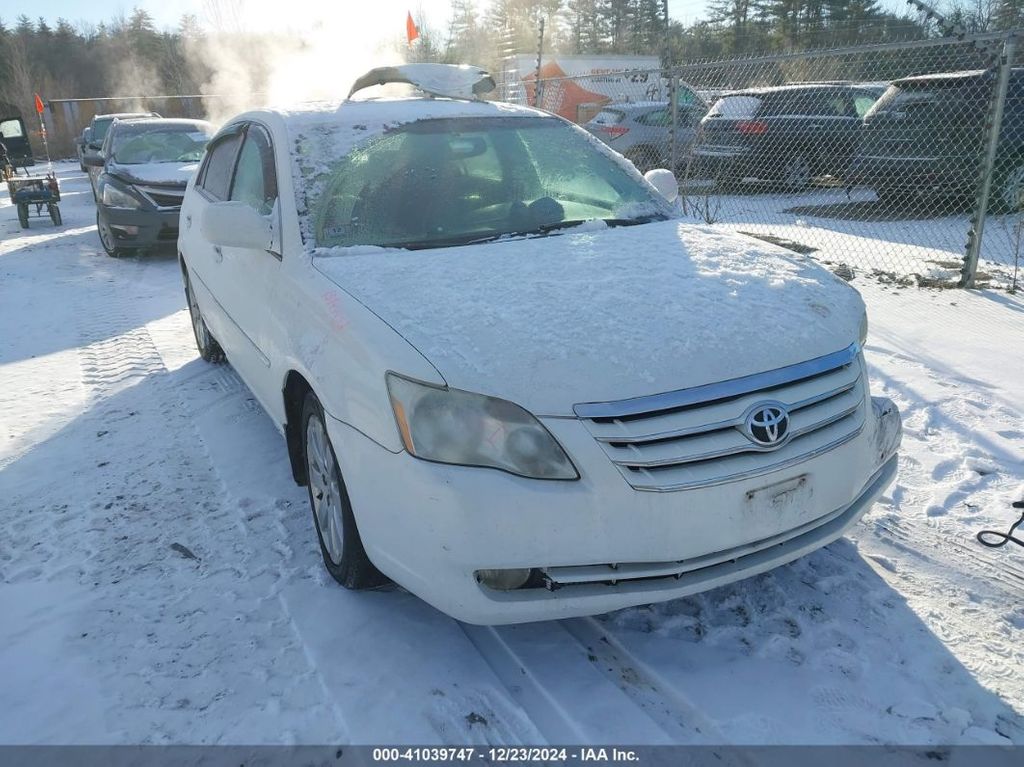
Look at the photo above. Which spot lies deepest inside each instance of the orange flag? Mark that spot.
(410, 28)
(39, 103)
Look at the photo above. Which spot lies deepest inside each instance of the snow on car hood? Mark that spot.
(155, 172)
(553, 321)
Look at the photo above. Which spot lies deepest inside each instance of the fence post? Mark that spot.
(673, 133)
(976, 234)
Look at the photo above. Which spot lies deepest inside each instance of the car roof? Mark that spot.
(963, 76)
(790, 87)
(122, 115)
(170, 121)
(636, 105)
(376, 114)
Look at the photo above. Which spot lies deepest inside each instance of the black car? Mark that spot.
(786, 135)
(142, 181)
(926, 136)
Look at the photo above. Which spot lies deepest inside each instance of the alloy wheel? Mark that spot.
(324, 489)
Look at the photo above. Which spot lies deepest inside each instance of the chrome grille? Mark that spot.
(695, 437)
(164, 196)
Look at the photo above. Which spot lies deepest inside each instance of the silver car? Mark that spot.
(640, 131)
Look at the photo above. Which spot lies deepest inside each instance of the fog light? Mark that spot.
(125, 229)
(504, 580)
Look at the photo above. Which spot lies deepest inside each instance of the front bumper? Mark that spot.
(142, 228)
(432, 527)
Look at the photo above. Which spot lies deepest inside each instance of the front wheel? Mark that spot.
(107, 239)
(23, 215)
(340, 545)
(54, 214)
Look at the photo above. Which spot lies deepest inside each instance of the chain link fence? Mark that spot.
(881, 160)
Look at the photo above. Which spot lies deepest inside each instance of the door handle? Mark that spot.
(218, 254)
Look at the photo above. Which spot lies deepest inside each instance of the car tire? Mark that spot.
(107, 241)
(209, 348)
(797, 173)
(340, 545)
(23, 215)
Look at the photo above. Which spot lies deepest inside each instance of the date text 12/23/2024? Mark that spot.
(495, 754)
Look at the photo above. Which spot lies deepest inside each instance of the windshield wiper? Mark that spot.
(540, 231)
(609, 222)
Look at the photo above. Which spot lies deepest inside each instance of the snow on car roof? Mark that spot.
(395, 111)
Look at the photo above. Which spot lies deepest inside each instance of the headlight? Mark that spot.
(863, 330)
(116, 198)
(459, 427)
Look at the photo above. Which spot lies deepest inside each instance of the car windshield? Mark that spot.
(145, 143)
(437, 183)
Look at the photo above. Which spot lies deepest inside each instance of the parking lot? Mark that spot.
(157, 560)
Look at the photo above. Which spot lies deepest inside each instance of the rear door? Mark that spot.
(15, 138)
(818, 123)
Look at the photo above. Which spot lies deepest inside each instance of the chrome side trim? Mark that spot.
(756, 472)
(734, 387)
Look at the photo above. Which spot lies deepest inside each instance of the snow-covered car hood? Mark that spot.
(155, 172)
(604, 315)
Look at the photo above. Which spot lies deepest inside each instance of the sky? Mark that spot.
(166, 13)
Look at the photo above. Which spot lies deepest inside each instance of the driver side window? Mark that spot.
(255, 181)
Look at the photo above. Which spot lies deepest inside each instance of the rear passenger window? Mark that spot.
(660, 118)
(809, 103)
(215, 177)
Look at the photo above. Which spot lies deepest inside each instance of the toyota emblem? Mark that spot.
(768, 425)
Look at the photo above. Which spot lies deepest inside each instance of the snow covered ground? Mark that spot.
(160, 581)
(919, 242)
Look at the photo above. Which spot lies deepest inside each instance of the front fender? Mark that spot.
(344, 351)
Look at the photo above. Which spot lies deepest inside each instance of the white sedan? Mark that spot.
(513, 380)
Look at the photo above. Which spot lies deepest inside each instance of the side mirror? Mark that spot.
(665, 182)
(236, 225)
(93, 160)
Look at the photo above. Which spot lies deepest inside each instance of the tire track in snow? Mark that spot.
(190, 644)
(603, 694)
